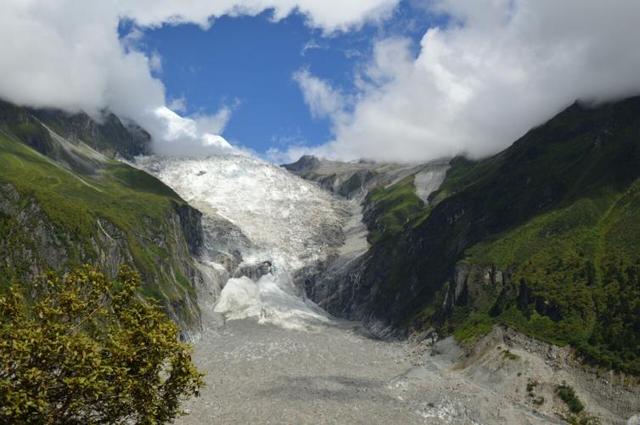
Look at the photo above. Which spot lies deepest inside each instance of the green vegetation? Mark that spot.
(538, 401)
(473, 328)
(583, 420)
(80, 205)
(109, 136)
(543, 237)
(118, 193)
(576, 273)
(462, 174)
(81, 349)
(568, 395)
(508, 355)
(568, 200)
(395, 207)
(532, 384)
(391, 213)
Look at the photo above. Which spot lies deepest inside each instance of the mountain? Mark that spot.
(350, 179)
(65, 201)
(110, 135)
(543, 237)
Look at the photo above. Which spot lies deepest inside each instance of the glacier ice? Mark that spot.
(289, 222)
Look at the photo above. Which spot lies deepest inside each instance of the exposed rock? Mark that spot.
(254, 271)
(342, 285)
(352, 180)
(612, 399)
(191, 223)
(33, 244)
(306, 163)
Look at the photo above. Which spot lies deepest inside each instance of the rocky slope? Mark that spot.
(353, 180)
(63, 203)
(539, 240)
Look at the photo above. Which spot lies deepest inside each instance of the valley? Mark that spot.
(359, 292)
(319, 212)
(271, 355)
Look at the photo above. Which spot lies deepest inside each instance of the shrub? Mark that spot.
(508, 355)
(568, 395)
(81, 349)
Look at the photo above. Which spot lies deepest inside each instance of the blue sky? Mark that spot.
(247, 64)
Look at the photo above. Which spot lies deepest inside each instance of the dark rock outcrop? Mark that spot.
(191, 223)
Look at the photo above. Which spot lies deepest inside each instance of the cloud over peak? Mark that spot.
(498, 68)
(492, 71)
(68, 54)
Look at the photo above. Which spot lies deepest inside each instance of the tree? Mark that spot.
(80, 349)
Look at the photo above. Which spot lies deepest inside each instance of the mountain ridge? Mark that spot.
(65, 200)
(457, 263)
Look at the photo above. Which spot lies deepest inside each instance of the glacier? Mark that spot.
(289, 222)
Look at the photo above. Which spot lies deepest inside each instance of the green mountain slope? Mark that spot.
(62, 204)
(544, 236)
(109, 136)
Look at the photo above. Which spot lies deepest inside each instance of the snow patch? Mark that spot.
(429, 180)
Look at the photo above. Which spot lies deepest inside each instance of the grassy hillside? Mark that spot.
(394, 208)
(544, 236)
(53, 215)
(575, 276)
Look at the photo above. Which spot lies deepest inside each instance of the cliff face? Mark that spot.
(64, 203)
(543, 237)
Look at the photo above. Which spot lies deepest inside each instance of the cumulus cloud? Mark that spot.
(188, 135)
(67, 54)
(322, 99)
(498, 68)
(178, 104)
(328, 15)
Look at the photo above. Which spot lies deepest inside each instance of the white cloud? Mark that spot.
(182, 135)
(328, 15)
(499, 68)
(322, 100)
(214, 123)
(67, 54)
(311, 45)
(178, 104)
(155, 62)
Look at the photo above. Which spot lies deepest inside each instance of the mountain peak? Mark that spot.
(305, 163)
